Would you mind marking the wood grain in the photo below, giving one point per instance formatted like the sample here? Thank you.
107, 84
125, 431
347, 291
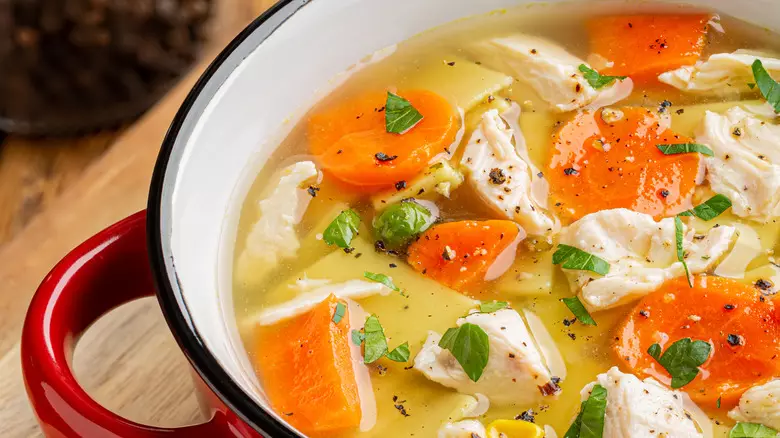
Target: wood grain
129, 360
33, 173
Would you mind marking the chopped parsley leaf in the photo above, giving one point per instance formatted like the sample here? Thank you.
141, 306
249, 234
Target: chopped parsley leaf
577, 259
400, 115
596, 79
682, 359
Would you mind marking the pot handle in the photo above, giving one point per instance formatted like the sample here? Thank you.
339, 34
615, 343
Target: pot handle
105, 272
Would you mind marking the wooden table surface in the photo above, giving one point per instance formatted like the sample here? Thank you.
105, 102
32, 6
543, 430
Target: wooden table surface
55, 194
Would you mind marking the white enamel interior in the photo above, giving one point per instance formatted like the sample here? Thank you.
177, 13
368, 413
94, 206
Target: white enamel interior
228, 135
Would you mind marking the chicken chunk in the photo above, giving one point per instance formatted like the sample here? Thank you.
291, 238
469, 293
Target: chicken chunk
721, 74
760, 404
515, 373
746, 165
273, 237
641, 408
550, 70
641, 253
503, 178
313, 292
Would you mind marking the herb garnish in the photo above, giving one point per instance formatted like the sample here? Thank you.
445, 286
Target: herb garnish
400, 115
752, 430
685, 148
574, 429
338, 315
375, 343
678, 237
382, 278
470, 346
590, 421
710, 209
682, 359
578, 309
358, 337
596, 79
575, 258
400, 353
492, 306
342, 230
769, 88
399, 223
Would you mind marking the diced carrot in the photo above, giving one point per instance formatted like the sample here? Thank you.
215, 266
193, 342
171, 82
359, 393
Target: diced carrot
597, 165
348, 138
644, 46
459, 254
305, 367
710, 311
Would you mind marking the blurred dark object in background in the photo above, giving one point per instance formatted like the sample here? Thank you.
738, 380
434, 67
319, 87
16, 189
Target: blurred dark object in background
73, 66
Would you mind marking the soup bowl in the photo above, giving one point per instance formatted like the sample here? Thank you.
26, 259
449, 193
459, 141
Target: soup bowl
181, 248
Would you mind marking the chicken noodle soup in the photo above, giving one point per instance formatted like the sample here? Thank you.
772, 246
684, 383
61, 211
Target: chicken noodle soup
550, 221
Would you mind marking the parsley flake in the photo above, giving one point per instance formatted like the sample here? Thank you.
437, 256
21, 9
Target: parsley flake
382, 278
400, 353
576, 425
685, 148
578, 309
357, 337
682, 359
400, 115
710, 209
471, 347
752, 430
342, 230
769, 88
338, 315
492, 306
375, 343
596, 79
590, 421
577, 259
678, 236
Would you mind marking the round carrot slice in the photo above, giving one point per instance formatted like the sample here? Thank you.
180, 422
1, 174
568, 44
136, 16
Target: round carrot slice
459, 254
644, 46
741, 325
363, 113
597, 165
355, 148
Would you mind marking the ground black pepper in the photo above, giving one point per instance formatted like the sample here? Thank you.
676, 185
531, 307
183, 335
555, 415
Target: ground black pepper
497, 176
383, 157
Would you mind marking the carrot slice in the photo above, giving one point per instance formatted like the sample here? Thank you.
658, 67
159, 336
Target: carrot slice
305, 367
349, 138
597, 165
363, 113
459, 254
644, 46
710, 311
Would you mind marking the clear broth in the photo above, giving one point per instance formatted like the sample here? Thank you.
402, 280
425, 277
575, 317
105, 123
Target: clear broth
585, 349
